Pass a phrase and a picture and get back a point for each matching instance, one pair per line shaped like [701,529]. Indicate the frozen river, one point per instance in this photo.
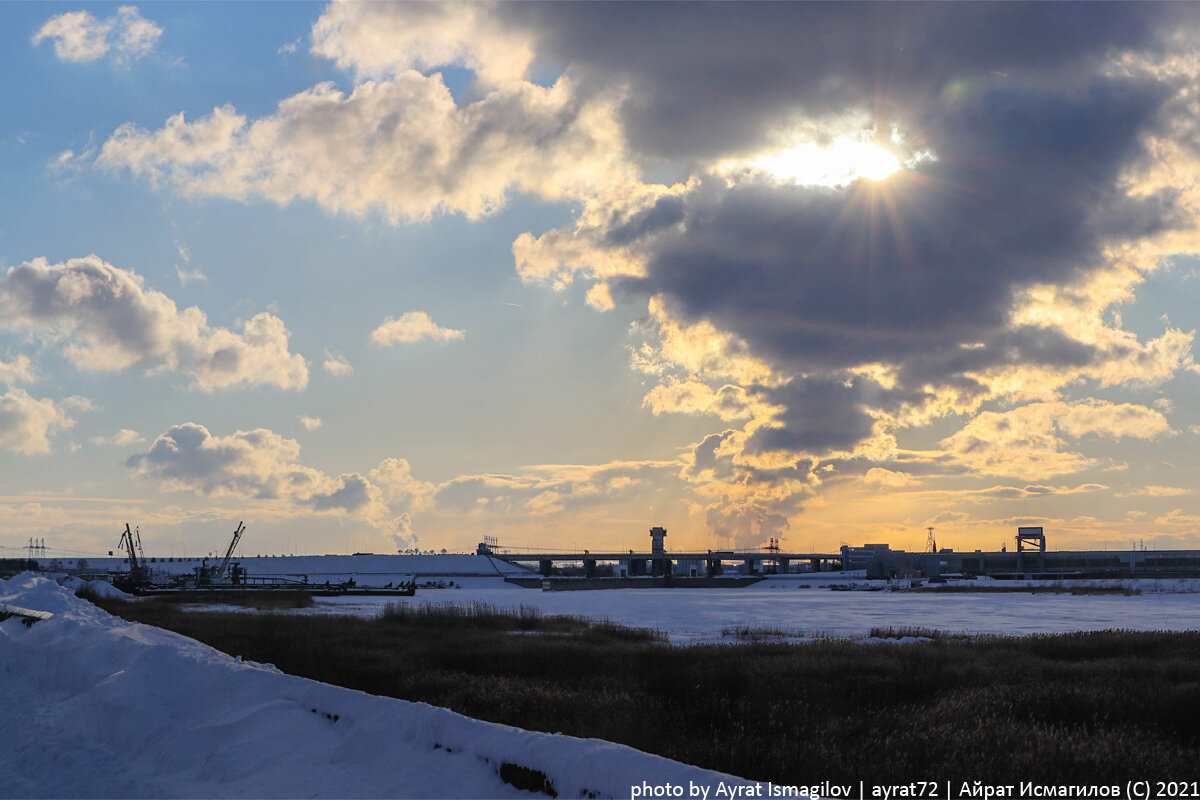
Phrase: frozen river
[697,615]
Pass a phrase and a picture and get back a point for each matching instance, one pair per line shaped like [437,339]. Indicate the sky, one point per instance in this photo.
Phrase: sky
[382,277]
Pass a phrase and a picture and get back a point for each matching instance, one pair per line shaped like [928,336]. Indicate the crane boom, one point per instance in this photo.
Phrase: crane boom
[128,540]
[237,537]
[139,573]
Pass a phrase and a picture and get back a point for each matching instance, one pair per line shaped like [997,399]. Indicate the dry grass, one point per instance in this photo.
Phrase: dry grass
[1094,707]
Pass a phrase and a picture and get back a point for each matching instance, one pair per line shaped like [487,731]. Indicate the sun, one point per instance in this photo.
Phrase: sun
[838,164]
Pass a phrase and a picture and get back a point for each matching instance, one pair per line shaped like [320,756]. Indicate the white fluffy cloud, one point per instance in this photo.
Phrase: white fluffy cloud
[19,370]
[309,423]
[265,466]
[79,36]
[1030,441]
[253,464]
[400,146]
[413,326]
[108,319]
[381,39]
[336,364]
[26,422]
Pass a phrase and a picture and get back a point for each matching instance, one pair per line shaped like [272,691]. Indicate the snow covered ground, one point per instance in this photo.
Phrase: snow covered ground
[701,615]
[366,569]
[98,707]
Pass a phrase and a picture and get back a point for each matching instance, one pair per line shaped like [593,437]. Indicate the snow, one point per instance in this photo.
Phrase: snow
[699,616]
[99,707]
[105,589]
[367,569]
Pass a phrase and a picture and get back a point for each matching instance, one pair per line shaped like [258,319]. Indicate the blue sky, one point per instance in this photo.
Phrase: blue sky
[381,276]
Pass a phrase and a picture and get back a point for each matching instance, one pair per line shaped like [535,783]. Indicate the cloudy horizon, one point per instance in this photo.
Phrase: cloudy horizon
[380,276]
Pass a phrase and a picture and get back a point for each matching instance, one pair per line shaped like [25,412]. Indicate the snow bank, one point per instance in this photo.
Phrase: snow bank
[106,589]
[72,583]
[99,707]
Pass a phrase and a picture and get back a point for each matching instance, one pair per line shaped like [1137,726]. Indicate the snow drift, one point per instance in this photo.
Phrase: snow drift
[99,707]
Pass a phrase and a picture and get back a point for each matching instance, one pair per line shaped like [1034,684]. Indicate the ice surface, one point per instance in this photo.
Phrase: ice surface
[98,707]
[702,615]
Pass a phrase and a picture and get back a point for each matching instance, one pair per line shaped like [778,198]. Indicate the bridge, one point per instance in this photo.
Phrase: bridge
[698,563]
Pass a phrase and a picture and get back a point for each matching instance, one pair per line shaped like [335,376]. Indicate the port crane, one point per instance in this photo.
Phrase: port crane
[131,542]
[206,574]
[237,537]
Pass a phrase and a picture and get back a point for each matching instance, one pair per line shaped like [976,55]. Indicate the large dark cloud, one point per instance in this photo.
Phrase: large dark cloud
[816,278]
[1032,130]
[706,76]
[819,415]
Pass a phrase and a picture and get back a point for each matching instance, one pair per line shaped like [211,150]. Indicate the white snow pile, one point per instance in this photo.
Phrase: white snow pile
[98,707]
[98,588]
[73,583]
[106,589]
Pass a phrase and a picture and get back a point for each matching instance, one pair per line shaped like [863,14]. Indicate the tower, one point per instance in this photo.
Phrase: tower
[657,534]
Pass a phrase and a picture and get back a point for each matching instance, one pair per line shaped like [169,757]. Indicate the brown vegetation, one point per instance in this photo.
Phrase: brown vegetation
[1075,708]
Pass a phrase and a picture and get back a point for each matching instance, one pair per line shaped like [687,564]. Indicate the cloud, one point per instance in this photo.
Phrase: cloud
[19,370]
[378,40]
[1031,491]
[309,423]
[250,464]
[412,326]
[541,491]
[187,276]
[336,364]
[692,64]
[27,422]
[985,270]
[107,319]
[184,274]
[394,477]
[1155,491]
[1029,441]
[692,396]
[1045,176]
[122,437]
[886,478]
[80,37]
[261,465]
[401,147]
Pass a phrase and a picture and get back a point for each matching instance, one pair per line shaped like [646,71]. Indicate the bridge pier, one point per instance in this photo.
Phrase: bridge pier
[750,569]
[785,565]
[589,567]
[546,567]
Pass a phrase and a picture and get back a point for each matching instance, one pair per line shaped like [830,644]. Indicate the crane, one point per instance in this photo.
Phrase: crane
[132,542]
[237,537]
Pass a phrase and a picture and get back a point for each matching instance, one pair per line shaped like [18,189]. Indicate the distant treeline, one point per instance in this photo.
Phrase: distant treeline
[15,566]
